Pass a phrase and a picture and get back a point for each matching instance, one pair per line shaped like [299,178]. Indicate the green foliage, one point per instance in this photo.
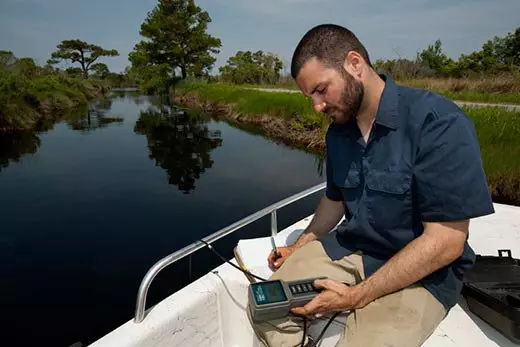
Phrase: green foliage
[30,94]
[151,78]
[176,39]
[252,68]
[498,133]
[402,68]
[434,58]
[100,70]
[499,55]
[290,106]
[7,59]
[81,52]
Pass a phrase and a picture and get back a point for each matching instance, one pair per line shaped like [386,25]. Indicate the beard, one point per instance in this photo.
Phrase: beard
[350,101]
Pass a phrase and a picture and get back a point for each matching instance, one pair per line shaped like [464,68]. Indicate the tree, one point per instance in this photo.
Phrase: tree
[180,143]
[252,68]
[100,70]
[434,58]
[150,77]
[81,52]
[7,59]
[498,54]
[177,39]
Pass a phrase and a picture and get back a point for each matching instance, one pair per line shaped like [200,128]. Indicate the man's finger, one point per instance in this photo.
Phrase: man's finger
[333,285]
[312,307]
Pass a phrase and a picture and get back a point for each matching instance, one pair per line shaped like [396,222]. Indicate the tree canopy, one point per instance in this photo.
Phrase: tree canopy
[176,38]
[81,52]
[500,54]
[252,68]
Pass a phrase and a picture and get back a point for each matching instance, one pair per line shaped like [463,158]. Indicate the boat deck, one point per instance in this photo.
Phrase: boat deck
[211,310]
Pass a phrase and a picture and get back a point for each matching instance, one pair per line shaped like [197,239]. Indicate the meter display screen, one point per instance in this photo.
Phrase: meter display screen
[268,292]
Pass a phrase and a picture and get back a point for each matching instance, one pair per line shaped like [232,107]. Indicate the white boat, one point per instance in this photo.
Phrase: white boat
[211,310]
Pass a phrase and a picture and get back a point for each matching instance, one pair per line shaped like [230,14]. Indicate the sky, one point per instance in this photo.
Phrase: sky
[388,29]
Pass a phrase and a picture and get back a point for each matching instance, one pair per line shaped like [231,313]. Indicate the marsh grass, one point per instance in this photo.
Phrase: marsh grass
[504,88]
[27,100]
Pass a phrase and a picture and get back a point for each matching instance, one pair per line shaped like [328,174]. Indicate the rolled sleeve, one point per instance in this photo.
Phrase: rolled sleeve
[332,191]
[449,175]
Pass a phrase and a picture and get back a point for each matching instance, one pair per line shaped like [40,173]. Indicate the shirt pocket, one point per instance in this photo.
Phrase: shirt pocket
[348,182]
[389,199]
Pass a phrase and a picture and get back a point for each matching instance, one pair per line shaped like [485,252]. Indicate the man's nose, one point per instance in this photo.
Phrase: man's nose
[318,107]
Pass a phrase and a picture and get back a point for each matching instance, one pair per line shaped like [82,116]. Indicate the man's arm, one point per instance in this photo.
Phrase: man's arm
[451,188]
[328,214]
[438,246]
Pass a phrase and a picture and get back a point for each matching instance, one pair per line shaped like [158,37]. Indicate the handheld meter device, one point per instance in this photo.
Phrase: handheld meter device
[274,299]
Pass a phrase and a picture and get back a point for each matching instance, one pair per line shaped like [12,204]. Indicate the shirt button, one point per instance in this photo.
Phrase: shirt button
[365,164]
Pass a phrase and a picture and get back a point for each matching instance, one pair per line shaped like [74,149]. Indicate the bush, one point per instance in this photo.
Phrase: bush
[24,101]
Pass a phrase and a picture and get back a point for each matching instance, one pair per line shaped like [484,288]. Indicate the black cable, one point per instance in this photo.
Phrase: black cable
[230,263]
[314,344]
[304,331]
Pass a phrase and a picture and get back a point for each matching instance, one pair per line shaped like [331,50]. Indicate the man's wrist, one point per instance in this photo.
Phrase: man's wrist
[362,294]
[305,238]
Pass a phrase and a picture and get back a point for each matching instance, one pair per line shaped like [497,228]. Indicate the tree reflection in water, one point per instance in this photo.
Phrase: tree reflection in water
[15,145]
[179,142]
[94,118]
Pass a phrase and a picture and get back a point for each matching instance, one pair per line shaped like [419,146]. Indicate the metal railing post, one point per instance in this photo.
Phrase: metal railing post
[195,246]
[274,224]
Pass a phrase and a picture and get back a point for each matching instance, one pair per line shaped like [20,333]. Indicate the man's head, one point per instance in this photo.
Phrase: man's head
[328,65]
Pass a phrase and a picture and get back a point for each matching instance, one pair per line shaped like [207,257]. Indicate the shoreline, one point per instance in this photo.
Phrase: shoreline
[276,128]
[29,102]
[504,185]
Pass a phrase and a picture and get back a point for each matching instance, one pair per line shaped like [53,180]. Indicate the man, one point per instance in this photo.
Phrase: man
[404,169]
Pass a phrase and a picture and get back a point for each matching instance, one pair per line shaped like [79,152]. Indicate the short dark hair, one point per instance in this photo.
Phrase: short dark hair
[330,44]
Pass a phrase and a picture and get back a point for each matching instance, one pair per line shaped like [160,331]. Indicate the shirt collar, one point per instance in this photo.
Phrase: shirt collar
[387,111]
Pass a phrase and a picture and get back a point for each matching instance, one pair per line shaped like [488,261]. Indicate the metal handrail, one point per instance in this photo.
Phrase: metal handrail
[172,258]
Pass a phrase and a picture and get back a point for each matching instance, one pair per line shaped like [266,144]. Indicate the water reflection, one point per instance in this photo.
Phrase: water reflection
[94,118]
[179,142]
[15,145]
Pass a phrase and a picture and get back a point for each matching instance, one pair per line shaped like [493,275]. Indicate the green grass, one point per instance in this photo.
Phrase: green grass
[25,101]
[441,87]
[257,103]
[498,132]
[498,129]
[504,98]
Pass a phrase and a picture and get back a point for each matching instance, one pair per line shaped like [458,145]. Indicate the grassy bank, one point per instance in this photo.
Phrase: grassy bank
[26,101]
[290,119]
[492,89]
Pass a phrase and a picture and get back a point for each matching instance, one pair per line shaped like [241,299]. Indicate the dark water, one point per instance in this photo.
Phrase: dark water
[87,206]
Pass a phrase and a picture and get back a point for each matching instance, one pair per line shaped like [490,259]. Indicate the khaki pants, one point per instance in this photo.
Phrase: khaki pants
[403,319]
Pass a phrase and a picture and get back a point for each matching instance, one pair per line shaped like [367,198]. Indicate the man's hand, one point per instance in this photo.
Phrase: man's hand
[335,297]
[328,214]
[284,253]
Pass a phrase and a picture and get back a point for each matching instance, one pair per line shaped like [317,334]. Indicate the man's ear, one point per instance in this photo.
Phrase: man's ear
[353,64]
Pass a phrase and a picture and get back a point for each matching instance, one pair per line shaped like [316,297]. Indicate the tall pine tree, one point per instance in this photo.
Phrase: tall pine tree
[177,38]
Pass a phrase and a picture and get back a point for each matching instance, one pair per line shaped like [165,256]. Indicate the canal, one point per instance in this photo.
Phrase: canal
[88,204]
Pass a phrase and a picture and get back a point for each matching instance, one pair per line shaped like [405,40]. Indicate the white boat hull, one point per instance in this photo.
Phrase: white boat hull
[211,310]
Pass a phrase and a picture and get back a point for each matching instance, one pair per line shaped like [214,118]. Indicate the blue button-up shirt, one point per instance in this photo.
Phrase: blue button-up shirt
[421,163]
